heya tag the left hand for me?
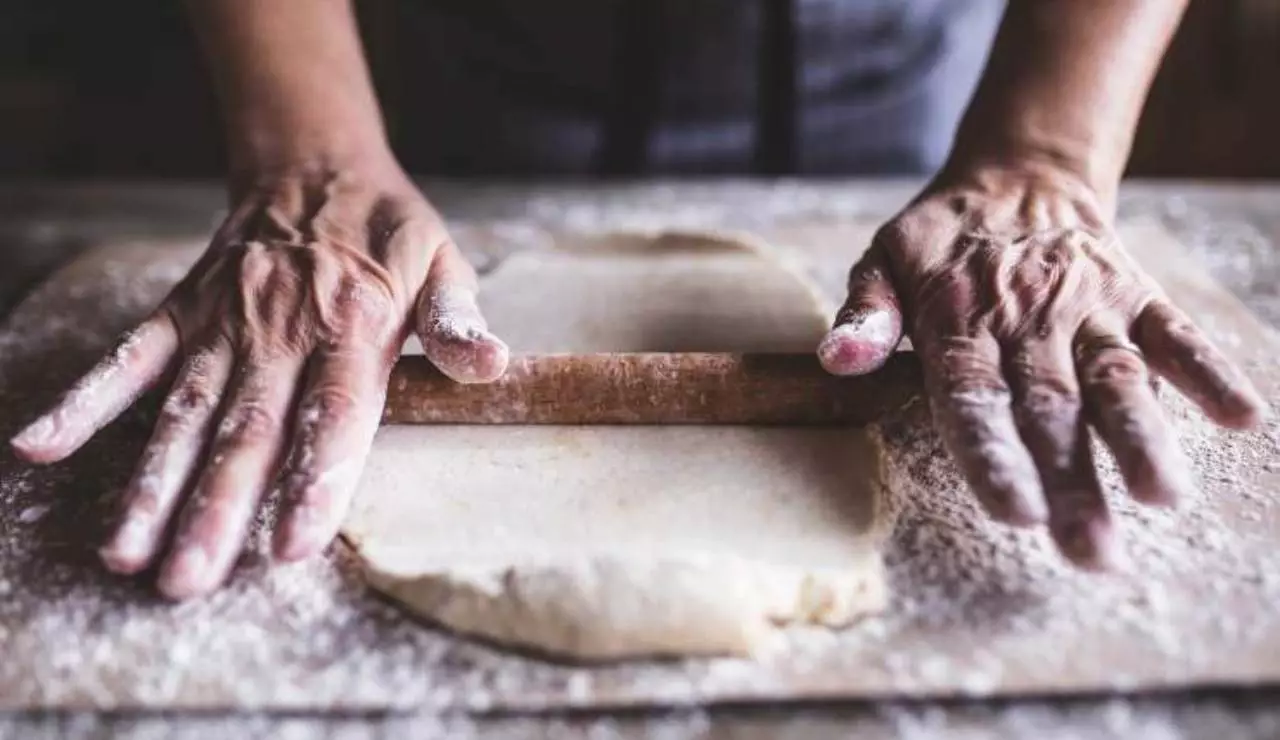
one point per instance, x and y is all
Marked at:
(282, 337)
(1033, 324)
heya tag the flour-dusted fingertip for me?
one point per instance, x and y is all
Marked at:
(1185, 356)
(130, 549)
(456, 338)
(475, 357)
(187, 574)
(1165, 481)
(1245, 409)
(1009, 491)
(844, 352)
(38, 442)
(860, 343)
(121, 564)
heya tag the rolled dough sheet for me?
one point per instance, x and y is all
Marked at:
(607, 542)
(978, 610)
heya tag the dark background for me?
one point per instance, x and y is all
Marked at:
(117, 88)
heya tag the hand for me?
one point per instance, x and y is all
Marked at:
(283, 335)
(1032, 323)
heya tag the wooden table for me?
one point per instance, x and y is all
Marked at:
(1231, 228)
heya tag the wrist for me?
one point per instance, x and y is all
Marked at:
(1070, 165)
(315, 166)
(257, 148)
(1026, 179)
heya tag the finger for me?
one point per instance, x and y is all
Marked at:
(1122, 406)
(169, 460)
(455, 336)
(1049, 416)
(970, 402)
(138, 360)
(240, 463)
(1182, 354)
(868, 326)
(337, 417)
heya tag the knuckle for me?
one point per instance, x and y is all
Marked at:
(256, 262)
(947, 301)
(338, 231)
(1042, 391)
(1182, 329)
(364, 304)
(189, 400)
(959, 364)
(419, 231)
(868, 274)
(236, 250)
(1074, 244)
(250, 422)
(330, 401)
(894, 235)
(1047, 401)
(1112, 366)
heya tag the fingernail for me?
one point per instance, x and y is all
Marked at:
(858, 346)
(490, 359)
(187, 574)
(38, 435)
(129, 550)
(476, 357)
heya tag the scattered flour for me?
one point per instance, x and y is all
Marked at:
(991, 603)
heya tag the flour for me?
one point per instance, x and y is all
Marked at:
(456, 337)
(872, 329)
(1013, 584)
(977, 604)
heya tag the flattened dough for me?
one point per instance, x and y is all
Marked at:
(609, 542)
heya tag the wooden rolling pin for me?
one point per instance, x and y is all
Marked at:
(692, 388)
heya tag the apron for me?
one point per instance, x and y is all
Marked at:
(647, 87)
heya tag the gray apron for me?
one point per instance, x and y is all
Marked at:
(633, 87)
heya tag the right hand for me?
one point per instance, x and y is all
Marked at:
(283, 336)
(1034, 324)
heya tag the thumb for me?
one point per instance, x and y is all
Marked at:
(454, 334)
(868, 326)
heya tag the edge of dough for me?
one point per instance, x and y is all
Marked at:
(613, 606)
(606, 607)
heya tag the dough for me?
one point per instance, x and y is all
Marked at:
(609, 542)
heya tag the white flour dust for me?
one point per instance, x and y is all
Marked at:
(976, 606)
(456, 338)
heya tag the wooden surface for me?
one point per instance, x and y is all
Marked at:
(96, 214)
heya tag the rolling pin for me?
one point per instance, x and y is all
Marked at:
(653, 388)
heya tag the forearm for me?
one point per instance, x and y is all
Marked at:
(1065, 84)
(292, 82)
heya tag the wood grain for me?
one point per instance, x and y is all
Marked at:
(653, 388)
